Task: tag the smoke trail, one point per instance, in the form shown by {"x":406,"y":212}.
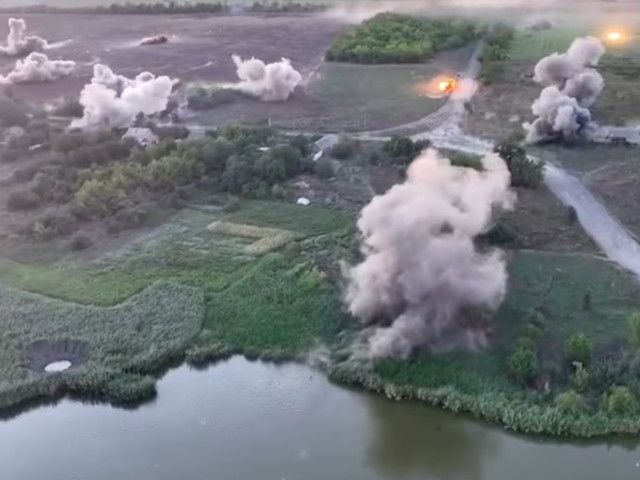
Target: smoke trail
{"x":111,"y":100}
{"x":38,"y":68}
{"x":423,"y":284}
{"x":20,"y":45}
{"x":270,"y":82}
{"x":572,"y":86}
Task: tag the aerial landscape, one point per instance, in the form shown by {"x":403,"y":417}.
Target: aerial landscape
{"x":403,"y":235}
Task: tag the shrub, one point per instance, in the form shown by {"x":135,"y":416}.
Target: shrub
{"x":80,"y":242}
{"x":499,"y":234}
{"x":464,"y":159}
{"x":525,"y":172}
{"x":301,"y":143}
{"x":22,"y":200}
{"x":100,"y":198}
{"x":579,"y":348}
{"x":50,"y":226}
{"x":580,"y":378}
{"x":324,"y":168}
{"x":634,"y":329}
{"x":345,"y":148}
{"x":26,"y":173}
{"x":569,"y":402}
{"x":523,"y":363}
{"x":618,"y":401}
{"x":129,"y":217}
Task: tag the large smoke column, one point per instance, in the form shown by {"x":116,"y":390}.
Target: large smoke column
{"x":270,"y":82}
{"x":38,"y":68}
{"x":423,"y":284}
{"x":18,"y":44}
{"x":112,"y":100}
{"x":571,"y":87}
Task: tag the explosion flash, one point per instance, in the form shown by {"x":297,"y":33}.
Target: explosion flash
{"x":614,"y":36}
{"x":438,"y":87}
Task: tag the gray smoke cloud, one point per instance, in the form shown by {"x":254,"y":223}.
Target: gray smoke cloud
{"x":37,"y":68}
{"x":112,"y":100}
{"x":269,"y":82}
{"x":19,"y":44}
{"x":423,"y":284}
{"x":572,"y":85}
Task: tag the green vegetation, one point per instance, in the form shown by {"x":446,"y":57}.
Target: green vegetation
{"x":496,"y":49}
{"x":525,"y":172}
{"x":569,"y":402}
{"x":399,"y":38}
{"x":579,"y":349}
{"x":139,"y":336}
{"x":619,"y":401}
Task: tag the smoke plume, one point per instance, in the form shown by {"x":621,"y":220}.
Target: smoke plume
{"x":37,"y":68}
{"x":271,"y":82}
{"x":423,"y":284}
{"x":572,"y":85}
{"x":18,"y":44}
{"x":111,"y":100}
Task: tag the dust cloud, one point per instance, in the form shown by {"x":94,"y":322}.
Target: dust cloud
{"x":423,"y":283}
{"x":112,"y":100}
{"x":269,"y":82}
{"x":38,"y":68}
{"x":19,"y":44}
{"x":572,"y":85}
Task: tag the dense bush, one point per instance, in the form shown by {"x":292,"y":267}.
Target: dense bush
{"x":579,"y":348}
{"x":324,"y":168}
{"x":523,"y":362}
{"x":525,"y":172}
{"x":618,"y":401}
{"x":495,"y":50}
{"x":22,"y":200}
{"x":345,"y":148}
{"x":402,"y":150}
{"x":569,"y":402}
{"x":399,"y":38}
{"x":580,"y":378}
{"x":50,"y":226}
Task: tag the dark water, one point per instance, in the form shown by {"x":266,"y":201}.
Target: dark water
{"x":253,"y":421}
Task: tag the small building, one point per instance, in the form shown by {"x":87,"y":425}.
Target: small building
{"x":143,"y":136}
{"x":323,"y":144}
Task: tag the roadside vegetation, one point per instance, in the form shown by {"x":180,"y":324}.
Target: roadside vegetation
{"x":400,"y":38}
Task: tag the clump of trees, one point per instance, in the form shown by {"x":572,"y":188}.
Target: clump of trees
{"x":525,"y":172}
{"x":100,"y":176}
{"x":399,"y":38}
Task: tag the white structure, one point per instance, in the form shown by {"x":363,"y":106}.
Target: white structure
{"x":143,"y":136}
{"x":303,"y":201}
{"x":324,"y":143}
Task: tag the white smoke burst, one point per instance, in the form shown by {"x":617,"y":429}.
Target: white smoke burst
{"x":423,"y":284}
{"x":111,"y":100}
{"x":271,"y":82}
{"x":572,"y":85}
{"x":19,"y":44}
{"x":37,"y":68}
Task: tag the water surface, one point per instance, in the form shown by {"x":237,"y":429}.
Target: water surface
{"x":244,"y":420}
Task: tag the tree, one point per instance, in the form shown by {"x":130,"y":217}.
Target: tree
{"x":523,"y":364}
{"x":579,"y":348}
{"x":525,"y":172}
{"x":634,"y":329}
{"x":324,"y":168}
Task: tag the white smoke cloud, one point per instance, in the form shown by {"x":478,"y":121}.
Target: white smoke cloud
{"x":572,"y":85}
{"x":37,"y":68}
{"x":111,"y":100}
{"x":18,"y":44}
{"x":271,"y":82}
{"x":423,"y":284}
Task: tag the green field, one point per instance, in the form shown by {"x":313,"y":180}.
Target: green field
{"x":362,"y":97}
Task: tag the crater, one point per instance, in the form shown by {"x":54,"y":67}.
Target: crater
{"x":55,"y":355}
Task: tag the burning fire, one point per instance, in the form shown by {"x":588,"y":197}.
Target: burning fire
{"x":447,"y":85}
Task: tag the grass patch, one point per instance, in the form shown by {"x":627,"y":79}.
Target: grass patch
{"x":138,"y":336}
{"x":291,"y":309}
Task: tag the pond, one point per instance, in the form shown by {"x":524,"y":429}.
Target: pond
{"x":242,"y":420}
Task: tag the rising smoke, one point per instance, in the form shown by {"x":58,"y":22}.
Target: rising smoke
{"x":111,"y":100}
{"x":18,"y":44}
{"x":37,"y":68}
{"x":271,"y":82}
{"x":572,"y":85}
{"x":423,"y":284}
